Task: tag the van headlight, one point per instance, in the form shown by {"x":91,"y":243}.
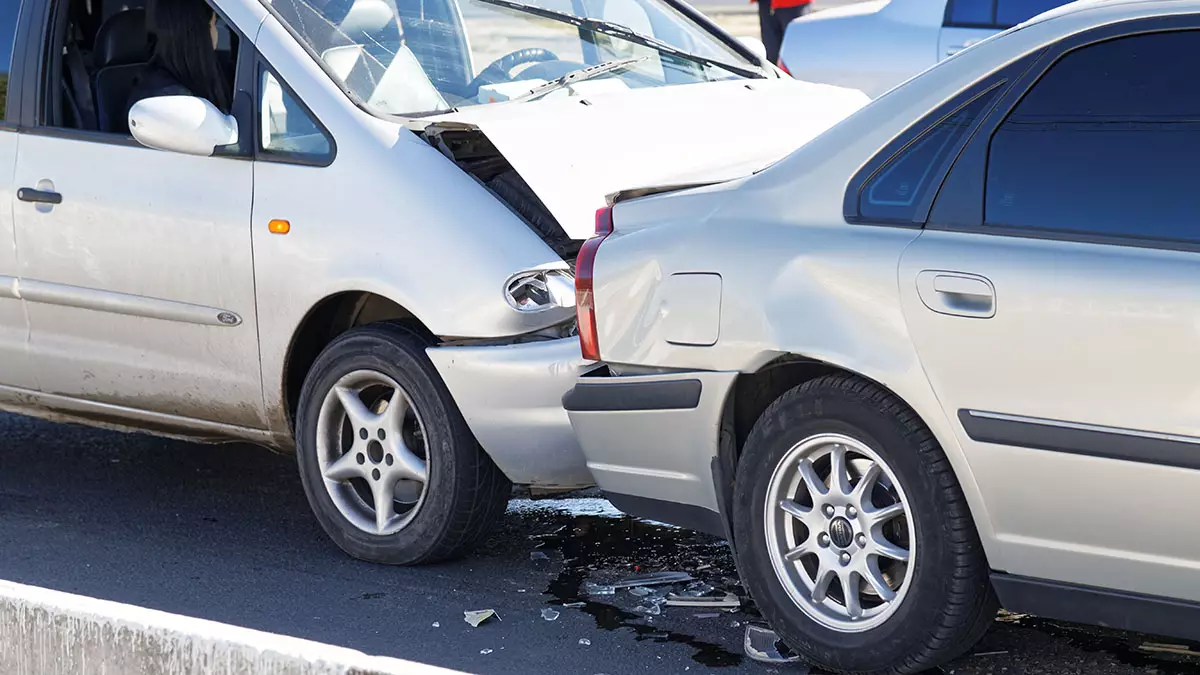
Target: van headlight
{"x":539,"y":290}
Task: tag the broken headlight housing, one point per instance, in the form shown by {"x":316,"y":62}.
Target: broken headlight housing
{"x":540,"y":290}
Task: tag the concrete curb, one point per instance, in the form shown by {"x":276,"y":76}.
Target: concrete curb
{"x":45,"y":632}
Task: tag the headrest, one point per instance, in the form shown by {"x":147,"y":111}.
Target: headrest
{"x":123,"y":39}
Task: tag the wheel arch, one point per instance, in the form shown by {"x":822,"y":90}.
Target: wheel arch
{"x":328,"y":318}
{"x":753,"y":392}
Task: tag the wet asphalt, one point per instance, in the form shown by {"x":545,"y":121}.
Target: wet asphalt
{"x":224,"y":533}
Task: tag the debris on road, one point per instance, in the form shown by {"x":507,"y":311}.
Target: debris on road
{"x":652,"y":609}
{"x":708,"y":615}
{"x":640,"y":591}
{"x":541,"y":561}
{"x":478,"y":616}
{"x":763,"y":645}
{"x":549,"y":614}
{"x":585,"y":642}
{"x":598,"y":589}
{"x":996,"y":653}
{"x":1168,"y":648}
{"x":485,"y":652}
{"x":653,"y":579}
{"x":725,"y":601}
{"x":437,"y":624}
{"x":575,"y":605}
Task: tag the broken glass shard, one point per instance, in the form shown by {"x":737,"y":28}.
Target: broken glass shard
{"x":763,"y":645}
{"x":549,"y":614}
{"x":478,"y":616}
{"x":726,"y":601}
{"x":598,"y":589}
{"x":653,"y":579}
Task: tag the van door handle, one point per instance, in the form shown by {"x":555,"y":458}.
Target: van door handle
{"x":957,"y":294}
{"x":39,"y":196}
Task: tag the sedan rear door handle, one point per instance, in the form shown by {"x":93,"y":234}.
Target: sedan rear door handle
{"x":957,"y":294}
{"x":39,"y":196}
{"x":951,"y":51}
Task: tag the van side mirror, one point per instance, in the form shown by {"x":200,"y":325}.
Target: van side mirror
{"x":184,"y":124}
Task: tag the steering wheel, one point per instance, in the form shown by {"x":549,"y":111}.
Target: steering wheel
{"x":500,"y":70}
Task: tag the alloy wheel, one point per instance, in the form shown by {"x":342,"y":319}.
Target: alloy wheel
{"x":372,"y":452}
{"x":839,"y":532}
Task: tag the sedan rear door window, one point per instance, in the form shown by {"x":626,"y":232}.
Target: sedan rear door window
{"x":1105,"y":143}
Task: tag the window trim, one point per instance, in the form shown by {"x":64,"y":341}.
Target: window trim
{"x":968,"y":216}
{"x":261,"y":66}
{"x":851,"y":200}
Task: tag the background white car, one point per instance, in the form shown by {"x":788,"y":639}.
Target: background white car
{"x":873,"y":46}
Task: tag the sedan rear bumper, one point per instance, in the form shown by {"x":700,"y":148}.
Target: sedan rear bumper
{"x":651,"y":442}
{"x":511,"y":397}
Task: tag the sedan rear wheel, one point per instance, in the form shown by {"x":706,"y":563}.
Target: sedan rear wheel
{"x":838,"y":528}
{"x":853,"y":535}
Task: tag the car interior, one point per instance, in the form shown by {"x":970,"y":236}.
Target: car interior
{"x":103,"y":46}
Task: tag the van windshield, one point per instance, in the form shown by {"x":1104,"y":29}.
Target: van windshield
{"x":414,"y":57}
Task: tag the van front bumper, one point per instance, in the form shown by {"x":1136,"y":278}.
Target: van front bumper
{"x":511,"y":397}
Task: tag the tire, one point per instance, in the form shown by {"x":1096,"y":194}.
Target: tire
{"x":463,"y":495}
{"x":948,"y":602}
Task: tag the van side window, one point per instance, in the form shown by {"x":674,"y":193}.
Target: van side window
{"x":8,"y":35}
{"x":1105,"y":143}
{"x":288,"y":130}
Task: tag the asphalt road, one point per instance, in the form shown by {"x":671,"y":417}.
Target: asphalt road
{"x":224,"y":533}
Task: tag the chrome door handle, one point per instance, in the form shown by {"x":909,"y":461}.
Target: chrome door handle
{"x":957,"y":294}
{"x":39,"y":196}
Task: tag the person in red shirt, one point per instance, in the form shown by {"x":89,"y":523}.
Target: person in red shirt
{"x":773,"y":18}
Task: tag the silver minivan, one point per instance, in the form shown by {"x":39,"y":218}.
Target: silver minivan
{"x":368,"y":257}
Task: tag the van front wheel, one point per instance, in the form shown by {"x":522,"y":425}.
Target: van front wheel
{"x":388,"y":464}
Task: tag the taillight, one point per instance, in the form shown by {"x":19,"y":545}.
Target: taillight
{"x":783,"y":66}
{"x":585,"y":303}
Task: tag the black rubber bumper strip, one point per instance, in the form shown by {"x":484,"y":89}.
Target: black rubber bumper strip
{"x":1098,"y":606}
{"x":683,"y":515}
{"x":610,"y":396}
{"x":1129,"y":446}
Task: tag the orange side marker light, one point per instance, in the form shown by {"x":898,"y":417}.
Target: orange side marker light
{"x":279,"y":227}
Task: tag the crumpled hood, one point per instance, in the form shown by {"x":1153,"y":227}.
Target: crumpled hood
{"x":574,"y":151}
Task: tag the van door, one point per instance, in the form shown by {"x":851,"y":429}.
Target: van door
{"x":136,"y":269}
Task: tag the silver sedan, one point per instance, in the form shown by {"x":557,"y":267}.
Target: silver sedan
{"x":941,"y":359}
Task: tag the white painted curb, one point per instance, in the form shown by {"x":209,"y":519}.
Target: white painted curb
{"x":45,"y":632}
